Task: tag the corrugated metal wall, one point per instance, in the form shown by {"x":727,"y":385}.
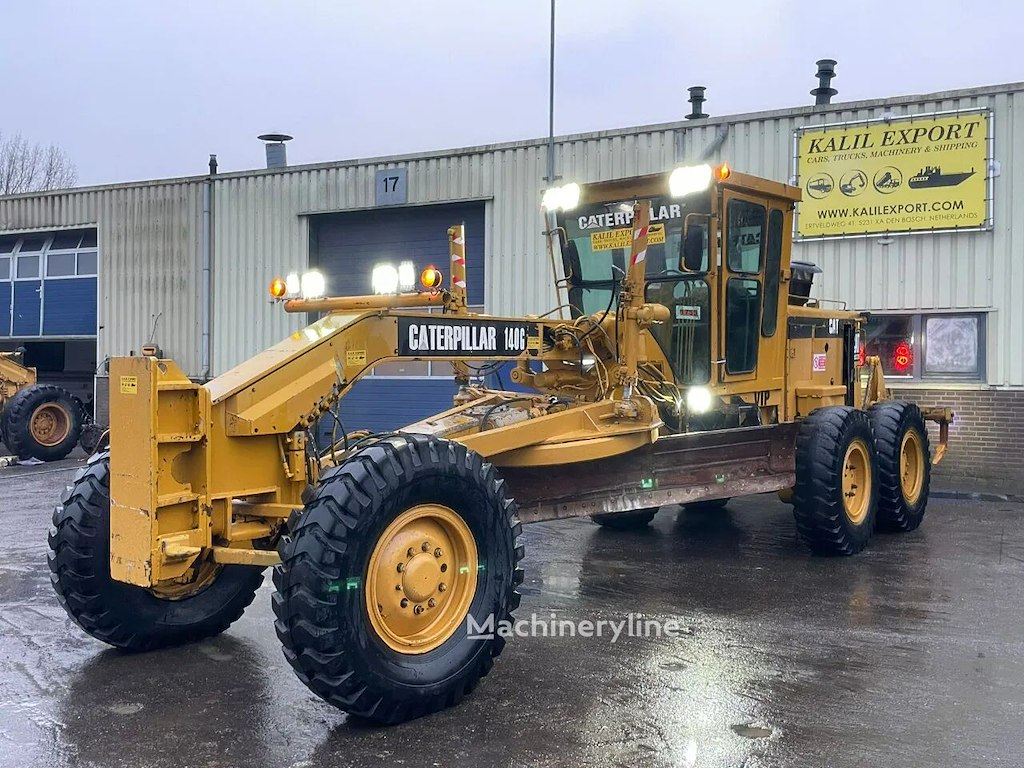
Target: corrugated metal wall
{"x":150,"y":251}
{"x":149,"y":241}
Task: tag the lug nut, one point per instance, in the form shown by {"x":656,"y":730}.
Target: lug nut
{"x":411,"y":552}
{"x":438,"y":552}
{"x":431,"y":602}
{"x":398,"y":587}
{"x":401,"y":567}
{"x":418,"y":610}
{"x":404,"y":603}
{"x":442,"y":587}
{"x":426,"y":546}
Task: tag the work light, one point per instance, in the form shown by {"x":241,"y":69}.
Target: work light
{"x":313,"y":285}
{"x":563,"y":198}
{"x":384,"y":279}
{"x":689,"y":179}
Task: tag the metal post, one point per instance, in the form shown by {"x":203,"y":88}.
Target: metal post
{"x":551,"y":102}
{"x":206,"y":294}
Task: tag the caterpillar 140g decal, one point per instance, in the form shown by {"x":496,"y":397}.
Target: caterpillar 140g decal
{"x":688,"y":366}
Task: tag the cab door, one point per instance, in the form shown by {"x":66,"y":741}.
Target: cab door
{"x":741,"y":288}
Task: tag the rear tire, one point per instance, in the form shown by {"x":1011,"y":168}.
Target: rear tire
{"x":626,"y":521}
{"x":125,"y":616}
{"x":835,"y":499}
{"x":904,"y":464}
{"x":336,"y":568}
{"x":43,"y":422}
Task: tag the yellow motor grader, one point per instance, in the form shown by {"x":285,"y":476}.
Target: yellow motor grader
{"x":687,"y":365}
{"x":40,"y":421}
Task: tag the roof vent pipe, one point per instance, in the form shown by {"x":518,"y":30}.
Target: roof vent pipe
{"x":824,"y":92}
{"x":697,"y":103}
{"x":213,"y":165}
{"x":277,"y":155}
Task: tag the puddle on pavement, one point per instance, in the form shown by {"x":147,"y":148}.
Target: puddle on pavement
{"x":752,"y":731}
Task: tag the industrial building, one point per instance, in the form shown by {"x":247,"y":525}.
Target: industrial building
{"x":184,"y":263}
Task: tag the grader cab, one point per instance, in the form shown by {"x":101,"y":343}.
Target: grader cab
{"x":686,"y":366}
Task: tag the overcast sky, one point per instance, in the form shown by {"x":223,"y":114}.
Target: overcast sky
{"x":137,"y":89}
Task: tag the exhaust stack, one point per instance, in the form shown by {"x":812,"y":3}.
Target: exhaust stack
{"x":697,"y":103}
{"x":824,"y":92}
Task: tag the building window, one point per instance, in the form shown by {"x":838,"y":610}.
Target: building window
{"x":929,"y":346}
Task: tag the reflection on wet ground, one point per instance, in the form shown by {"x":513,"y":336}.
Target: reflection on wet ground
{"x":908,"y":654}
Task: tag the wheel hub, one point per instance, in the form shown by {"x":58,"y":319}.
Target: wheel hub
{"x":912,"y":466}
{"x":421,"y":578}
{"x":49,"y":424}
{"x":857,"y":481}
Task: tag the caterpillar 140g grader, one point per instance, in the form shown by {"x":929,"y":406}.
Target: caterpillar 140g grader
{"x":687,"y":366}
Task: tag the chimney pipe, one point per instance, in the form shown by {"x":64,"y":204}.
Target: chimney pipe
{"x":697,"y":101}
{"x":277,"y":155}
{"x":824,"y":92}
{"x":213,"y":165}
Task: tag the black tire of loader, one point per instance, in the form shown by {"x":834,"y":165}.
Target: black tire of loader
{"x":821,"y":445}
{"x":891,"y":420}
{"x":17,"y":418}
{"x":626,"y":521}
{"x":127,"y":617}
{"x":325,"y":632}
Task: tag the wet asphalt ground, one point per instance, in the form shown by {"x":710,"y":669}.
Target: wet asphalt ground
{"x":910,"y":654}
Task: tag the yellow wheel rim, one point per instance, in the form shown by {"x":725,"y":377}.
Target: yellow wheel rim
{"x":857,"y":481}
{"x":50,"y":424}
{"x":421,"y":578}
{"x":912,"y":466}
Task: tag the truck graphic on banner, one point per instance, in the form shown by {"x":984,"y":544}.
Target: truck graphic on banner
{"x":921,"y":173}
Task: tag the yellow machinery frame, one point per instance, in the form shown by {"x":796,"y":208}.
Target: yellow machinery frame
{"x":218,"y":467}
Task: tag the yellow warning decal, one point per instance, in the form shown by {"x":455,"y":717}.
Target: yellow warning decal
{"x":533,"y":343}
{"x":129,"y":385}
{"x":355,"y":357}
{"x":623,"y":238}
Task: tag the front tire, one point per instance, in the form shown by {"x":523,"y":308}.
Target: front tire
{"x":125,"y":616}
{"x":904,"y":464}
{"x":42,"y":421}
{"x":398,"y":549}
{"x":836,"y":491}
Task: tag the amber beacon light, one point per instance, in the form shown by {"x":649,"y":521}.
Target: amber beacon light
{"x":431,"y":278}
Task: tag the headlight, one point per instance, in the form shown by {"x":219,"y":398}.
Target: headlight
{"x":689,"y":179}
{"x":384,"y":279}
{"x":293,"y":284}
{"x":563,"y":198}
{"x":406,"y":276}
{"x":698,"y":400}
{"x":313,"y":285}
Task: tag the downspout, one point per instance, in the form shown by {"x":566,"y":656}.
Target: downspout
{"x":206,"y":287}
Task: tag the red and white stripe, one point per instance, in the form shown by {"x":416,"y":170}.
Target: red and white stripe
{"x":639,"y":232}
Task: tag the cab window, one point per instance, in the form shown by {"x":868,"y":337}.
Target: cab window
{"x":772,"y":273}
{"x":745,"y":243}
{"x":686,"y":337}
{"x":742,"y":324}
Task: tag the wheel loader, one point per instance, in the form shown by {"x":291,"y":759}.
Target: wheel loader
{"x":40,"y":421}
{"x":687,"y":364}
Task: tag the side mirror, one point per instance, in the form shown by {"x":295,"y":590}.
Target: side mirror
{"x":693,"y":248}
